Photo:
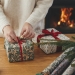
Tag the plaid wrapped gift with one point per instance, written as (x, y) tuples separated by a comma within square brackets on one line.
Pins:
[(21, 51), (50, 34)]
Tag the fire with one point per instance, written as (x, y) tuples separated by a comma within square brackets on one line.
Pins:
[(71, 25), (59, 23), (65, 16)]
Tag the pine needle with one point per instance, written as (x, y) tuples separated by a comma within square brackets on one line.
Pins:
[(65, 45)]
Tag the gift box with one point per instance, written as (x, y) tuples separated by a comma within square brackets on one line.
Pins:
[(51, 34), (21, 51)]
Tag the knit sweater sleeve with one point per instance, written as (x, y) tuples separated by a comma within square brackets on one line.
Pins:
[(3, 19), (39, 11)]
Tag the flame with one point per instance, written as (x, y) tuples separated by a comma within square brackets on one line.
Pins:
[(65, 16), (59, 23), (71, 25)]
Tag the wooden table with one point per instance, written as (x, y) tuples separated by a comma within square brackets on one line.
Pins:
[(40, 62)]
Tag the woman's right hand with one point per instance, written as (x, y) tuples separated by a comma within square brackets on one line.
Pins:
[(9, 34)]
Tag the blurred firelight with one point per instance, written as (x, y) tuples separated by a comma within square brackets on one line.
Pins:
[(65, 16)]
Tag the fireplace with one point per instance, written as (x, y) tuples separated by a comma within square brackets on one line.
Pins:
[(61, 16)]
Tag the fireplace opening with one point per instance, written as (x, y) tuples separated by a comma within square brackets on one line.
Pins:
[(61, 18)]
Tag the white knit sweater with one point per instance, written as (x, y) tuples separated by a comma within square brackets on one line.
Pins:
[(17, 12)]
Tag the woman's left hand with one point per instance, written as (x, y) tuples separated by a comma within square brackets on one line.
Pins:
[(27, 31)]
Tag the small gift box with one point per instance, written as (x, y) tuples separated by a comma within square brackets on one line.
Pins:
[(51, 34), (21, 51)]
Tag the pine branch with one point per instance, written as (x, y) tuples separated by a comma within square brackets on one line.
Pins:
[(65, 45), (73, 37)]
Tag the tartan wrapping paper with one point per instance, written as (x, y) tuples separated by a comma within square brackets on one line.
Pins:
[(62, 66), (55, 63), (14, 54), (48, 48), (70, 69)]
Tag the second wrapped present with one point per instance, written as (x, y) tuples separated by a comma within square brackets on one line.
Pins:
[(51, 34), (21, 51)]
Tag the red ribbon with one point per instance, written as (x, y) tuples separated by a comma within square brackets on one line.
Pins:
[(46, 33), (20, 42)]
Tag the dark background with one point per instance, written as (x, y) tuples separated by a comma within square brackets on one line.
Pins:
[(64, 3)]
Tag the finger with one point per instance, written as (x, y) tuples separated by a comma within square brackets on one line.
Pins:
[(7, 37), (13, 36), (32, 35), (22, 32), (26, 33), (10, 39)]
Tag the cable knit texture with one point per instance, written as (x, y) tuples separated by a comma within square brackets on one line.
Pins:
[(17, 12)]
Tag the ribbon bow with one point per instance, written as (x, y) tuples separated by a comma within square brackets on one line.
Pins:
[(46, 33)]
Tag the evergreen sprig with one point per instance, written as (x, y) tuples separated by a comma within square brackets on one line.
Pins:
[(65, 45)]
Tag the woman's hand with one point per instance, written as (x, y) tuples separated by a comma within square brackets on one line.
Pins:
[(9, 34), (27, 31)]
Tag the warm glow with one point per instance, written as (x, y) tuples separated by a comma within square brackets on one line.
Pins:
[(58, 23), (71, 25), (65, 16)]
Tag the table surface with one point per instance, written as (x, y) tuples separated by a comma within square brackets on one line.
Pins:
[(40, 62)]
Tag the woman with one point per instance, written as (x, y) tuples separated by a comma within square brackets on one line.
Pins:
[(22, 17)]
